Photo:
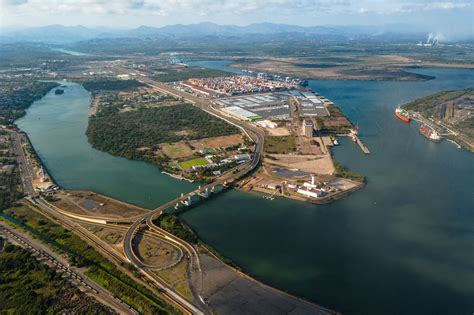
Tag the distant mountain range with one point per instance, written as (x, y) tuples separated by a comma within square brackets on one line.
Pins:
[(57, 34)]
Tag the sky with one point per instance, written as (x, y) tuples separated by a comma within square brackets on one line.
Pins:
[(451, 18)]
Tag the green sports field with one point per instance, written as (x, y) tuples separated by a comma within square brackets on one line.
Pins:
[(194, 162)]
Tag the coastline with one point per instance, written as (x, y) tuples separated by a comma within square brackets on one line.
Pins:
[(202, 245), (319, 201)]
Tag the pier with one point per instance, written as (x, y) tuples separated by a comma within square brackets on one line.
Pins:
[(362, 145)]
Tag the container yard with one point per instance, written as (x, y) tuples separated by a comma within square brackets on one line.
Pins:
[(275, 105)]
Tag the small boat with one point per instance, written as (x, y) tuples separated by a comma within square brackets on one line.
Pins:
[(334, 140), (269, 197), (402, 114)]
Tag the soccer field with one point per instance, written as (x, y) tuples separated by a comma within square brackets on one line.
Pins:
[(191, 163)]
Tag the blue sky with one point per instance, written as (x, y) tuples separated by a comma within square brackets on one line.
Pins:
[(452, 18)]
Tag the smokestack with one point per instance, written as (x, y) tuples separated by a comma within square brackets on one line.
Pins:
[(313, 179)]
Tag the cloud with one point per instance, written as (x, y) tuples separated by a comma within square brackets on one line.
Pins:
[(407, 6), (208, 7), (160, 12), (15, 2)]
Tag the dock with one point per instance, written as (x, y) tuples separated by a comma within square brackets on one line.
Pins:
[(362, 145), (177, 176)]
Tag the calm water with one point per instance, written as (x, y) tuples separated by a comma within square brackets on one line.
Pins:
[(56, 125), (402, 245)]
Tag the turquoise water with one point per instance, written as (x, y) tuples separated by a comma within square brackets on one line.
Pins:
[(56, 125), (402, 245)]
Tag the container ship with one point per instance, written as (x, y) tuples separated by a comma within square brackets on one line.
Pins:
[(430, 133), (402, 114)]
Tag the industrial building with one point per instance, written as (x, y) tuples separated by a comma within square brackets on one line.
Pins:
[(241, 113), (275, 105), (308, 128)]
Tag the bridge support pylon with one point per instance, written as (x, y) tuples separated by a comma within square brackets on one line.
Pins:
[(205, 193), (188, 201)]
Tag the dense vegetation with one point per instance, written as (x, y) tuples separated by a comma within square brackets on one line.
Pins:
[(342, 171), (26, 55), (171, 75), (321, 48), (10, 181), (428, 106), (30, 287), (172, 224), (336, 122), (111, 85), (17, 95), (10, 190), (136, 134), (83, 255), (454, 109)]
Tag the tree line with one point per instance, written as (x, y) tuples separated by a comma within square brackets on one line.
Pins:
[(136, 134)]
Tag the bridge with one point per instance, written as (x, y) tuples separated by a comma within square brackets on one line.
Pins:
[(226, 180)]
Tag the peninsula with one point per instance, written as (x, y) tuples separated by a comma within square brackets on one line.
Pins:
[(449, 113), (157, 122)]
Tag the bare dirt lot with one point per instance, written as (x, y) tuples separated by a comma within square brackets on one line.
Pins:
[(183, 149), (230, 292), (319, 164), (156, 253), (92, 204), (365, 67), (216, 142), (278, 132)]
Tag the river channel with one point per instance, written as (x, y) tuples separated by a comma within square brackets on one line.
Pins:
[(402, 245)]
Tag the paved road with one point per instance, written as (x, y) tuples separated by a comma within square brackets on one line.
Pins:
[(255, 133), (27, 174), (25, 240), (26, 169)]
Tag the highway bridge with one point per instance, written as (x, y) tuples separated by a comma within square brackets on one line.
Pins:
[(146, 220), (254, 133)]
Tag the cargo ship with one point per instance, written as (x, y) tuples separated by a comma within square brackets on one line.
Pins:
[(402, 114), (430, 133)]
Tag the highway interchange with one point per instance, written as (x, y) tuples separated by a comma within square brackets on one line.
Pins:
[(225, 179), (228, 178)]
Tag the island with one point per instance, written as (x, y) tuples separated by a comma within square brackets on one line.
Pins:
[(170, 125)]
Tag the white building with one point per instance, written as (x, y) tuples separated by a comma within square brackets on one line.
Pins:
[(267, 123), (242, 157), (310, 192)]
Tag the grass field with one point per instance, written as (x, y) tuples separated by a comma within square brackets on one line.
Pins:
[(284, 144), (194, 162), (176, 150)]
